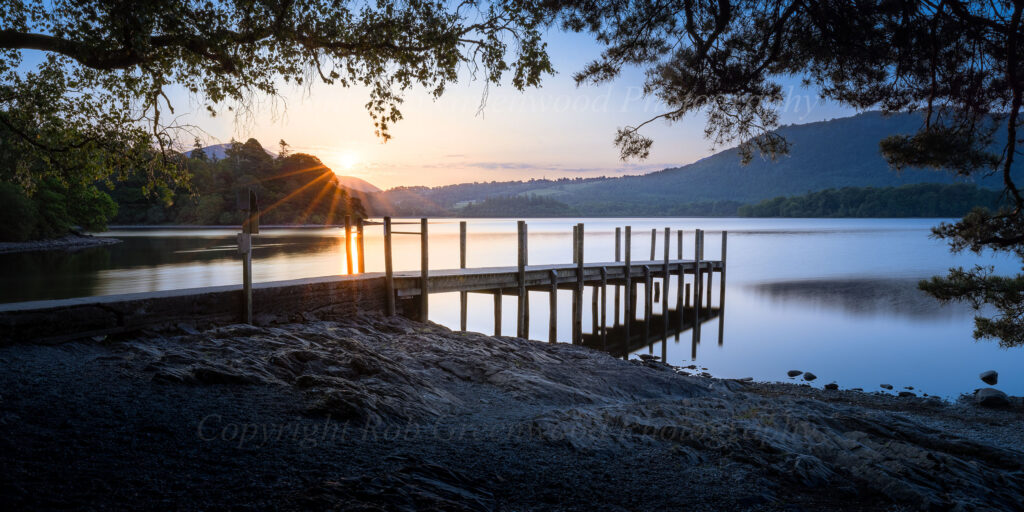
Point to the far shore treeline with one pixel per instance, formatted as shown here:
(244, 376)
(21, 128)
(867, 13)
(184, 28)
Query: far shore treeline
(293, 188)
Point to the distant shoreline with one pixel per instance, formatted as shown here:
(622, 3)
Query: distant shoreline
(71, 242)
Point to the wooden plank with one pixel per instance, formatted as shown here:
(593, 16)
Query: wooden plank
(654, 242)
(521, 309)
(389, 272)
(424, 272)
(553, 308)
(463, 296)
(348, 243)
(360, 246)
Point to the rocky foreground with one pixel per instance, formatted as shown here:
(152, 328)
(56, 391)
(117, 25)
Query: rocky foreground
(390, 414)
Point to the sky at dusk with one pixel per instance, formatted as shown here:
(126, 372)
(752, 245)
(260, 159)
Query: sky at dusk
(558, 130)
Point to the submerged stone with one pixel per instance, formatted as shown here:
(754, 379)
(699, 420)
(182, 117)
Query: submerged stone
(990, 377)
(794, 373)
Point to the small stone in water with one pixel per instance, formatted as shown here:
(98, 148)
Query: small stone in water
(794, 373)
(886, 386)
(810, 376)
(990, 377)
(991, 397)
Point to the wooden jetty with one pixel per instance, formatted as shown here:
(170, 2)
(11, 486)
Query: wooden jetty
(689, 310)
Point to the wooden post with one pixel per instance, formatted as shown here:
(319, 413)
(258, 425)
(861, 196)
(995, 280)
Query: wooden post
(696, 284)
(721, 276)
(687, 304)
(648, 302)
(360, 246)
(594, 291)
(497, 312)
(553, 308)
(521, 295)
(627, 319)
(389, 272)
(618, 255)
(348, 243)
(721, 293)
(680, 273)
(575, 241)
(463, 296)
(679, 244)
(711, 272)
(578, 321)
(654, 242)
(245, 248)
(424, 272)
(604, 308)
(664, 286)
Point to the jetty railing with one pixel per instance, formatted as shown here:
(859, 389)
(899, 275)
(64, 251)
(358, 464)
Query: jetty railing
(693, 301)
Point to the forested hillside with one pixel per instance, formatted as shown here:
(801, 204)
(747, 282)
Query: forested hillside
(923, 200)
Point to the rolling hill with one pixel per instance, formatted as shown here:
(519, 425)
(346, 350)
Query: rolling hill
(824, 155)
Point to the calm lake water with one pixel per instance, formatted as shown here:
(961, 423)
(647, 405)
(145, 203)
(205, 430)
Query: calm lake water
(836, 297)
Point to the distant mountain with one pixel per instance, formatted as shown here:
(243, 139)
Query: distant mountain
(824, 155)
(219, 151)
(358, 184)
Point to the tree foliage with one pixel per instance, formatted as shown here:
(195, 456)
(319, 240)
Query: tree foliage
(956, 61)
(83, 84)
(293, 189)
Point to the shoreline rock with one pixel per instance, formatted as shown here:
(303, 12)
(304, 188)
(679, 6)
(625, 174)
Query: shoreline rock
(990, 377)
(70, 242)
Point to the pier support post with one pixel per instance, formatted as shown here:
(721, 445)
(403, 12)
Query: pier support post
(604, 308)
(578, 298)
(521, 295)
(618, 256)
(389, 272)
(497, 312)
(348, 243)
(463, 296)
(245, 247)
(696, 284)
(665, 282)
(424, 272)
(627, 319)
(721, 292)
(360, 246)
(648, 302)
(721, 276)
(654, 243)
(553, 308)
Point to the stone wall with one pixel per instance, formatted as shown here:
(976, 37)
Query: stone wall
(282, 301)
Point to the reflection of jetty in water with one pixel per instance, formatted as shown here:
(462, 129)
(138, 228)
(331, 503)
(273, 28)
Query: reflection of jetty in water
(653, 332)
